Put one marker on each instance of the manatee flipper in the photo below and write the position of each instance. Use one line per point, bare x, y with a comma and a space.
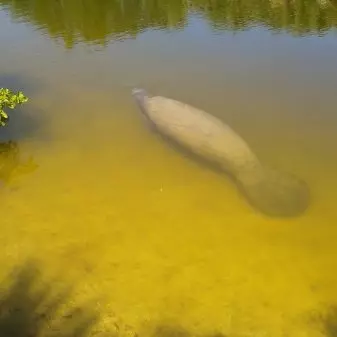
272, 192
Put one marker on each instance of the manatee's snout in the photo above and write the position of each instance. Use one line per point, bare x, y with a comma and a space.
140, 96
136, 91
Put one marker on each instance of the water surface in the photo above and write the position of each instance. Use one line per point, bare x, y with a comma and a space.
153, 237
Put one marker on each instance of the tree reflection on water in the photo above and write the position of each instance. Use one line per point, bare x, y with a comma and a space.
98, 22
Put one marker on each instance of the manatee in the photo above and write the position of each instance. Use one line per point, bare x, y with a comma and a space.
272, 192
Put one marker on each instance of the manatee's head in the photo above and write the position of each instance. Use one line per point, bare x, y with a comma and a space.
275, 193
141, 97
139, 93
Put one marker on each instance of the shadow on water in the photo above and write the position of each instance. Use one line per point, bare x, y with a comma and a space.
165, 330
328, 322
30, 308
24, 121
12, 162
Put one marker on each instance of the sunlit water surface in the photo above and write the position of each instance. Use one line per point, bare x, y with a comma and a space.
150, 235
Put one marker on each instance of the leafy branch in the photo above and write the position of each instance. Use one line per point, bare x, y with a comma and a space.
9, 100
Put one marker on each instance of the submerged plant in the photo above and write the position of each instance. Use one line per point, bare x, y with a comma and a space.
8, 99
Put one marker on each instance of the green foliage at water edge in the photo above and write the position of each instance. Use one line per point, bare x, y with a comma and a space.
10, 100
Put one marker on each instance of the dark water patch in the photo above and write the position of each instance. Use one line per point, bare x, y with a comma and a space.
326, 321
18, 82
12, 162
330, 322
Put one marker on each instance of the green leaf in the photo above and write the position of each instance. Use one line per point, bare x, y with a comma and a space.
3, 114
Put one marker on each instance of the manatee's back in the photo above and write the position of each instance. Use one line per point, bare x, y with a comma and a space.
272, 192
201, 132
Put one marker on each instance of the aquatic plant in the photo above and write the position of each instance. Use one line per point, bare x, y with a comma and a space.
9, 99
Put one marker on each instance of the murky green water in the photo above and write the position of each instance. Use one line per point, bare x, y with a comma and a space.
158, 242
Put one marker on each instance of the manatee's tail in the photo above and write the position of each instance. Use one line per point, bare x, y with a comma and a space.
275, 193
